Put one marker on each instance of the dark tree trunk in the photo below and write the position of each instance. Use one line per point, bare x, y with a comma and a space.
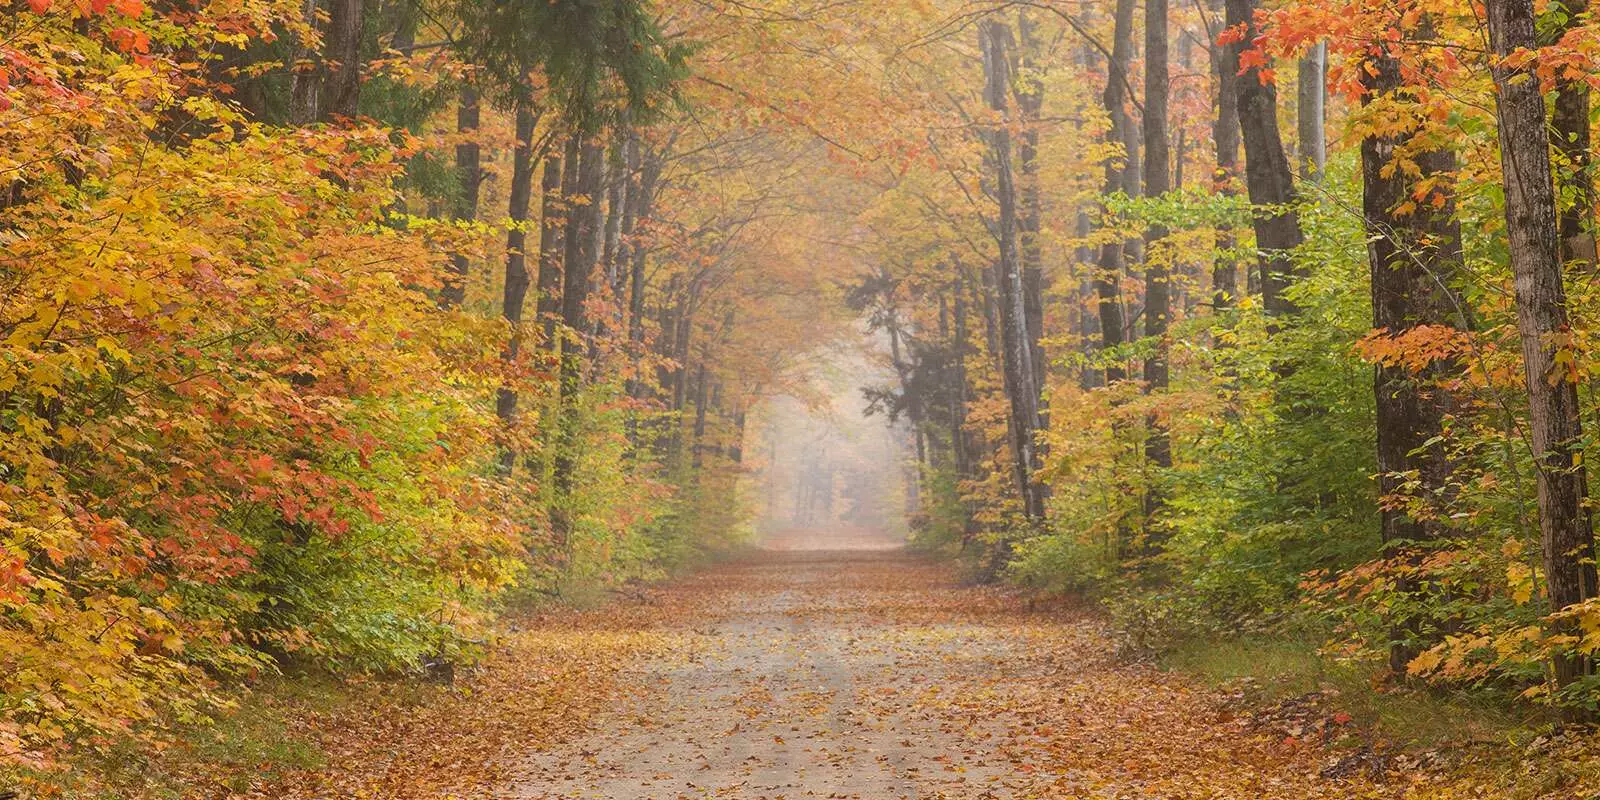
1225, 134
958, 387
560, 184
342, 93
697, 457
1570, 133
516, 283
1029, 91
1268, 177
1414, 258
469, 176
1016, 360
1535, 251
1157, 294
305, 81
1108, 275
649, 175
583, 222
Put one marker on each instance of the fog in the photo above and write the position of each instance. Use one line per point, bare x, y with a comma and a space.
826, 475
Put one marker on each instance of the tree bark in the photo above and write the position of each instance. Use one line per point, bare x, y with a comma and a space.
583, 221
1157, 294
342, 92
469, 176
617, 200
1225, 135
1311, 94
1268, 178
560, 184
1029, 92
1415, 256
1535, 254
1108, 273
1570, 133
305, 81
1016, 360
516, 281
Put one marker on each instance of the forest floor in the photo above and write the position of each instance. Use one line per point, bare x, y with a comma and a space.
857, 671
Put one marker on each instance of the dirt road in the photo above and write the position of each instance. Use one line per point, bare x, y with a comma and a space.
867, 673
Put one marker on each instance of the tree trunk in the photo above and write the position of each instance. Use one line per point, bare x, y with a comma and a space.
1029, 91
1535, 253
560, 184
583, 222
1414, 258
649, 174
697, 457
1311, 112
342, 92
1157, 295
617, 201
469, 176
1570, 133
305, 80
516, 283
1225, 134
958, 385
1016, 360
582, 228
1268, 178
1108, 275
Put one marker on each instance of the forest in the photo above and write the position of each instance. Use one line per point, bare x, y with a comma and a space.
378, 343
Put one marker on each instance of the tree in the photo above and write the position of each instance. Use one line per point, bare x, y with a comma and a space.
1415, 254
1225, 137
1157, 182
1017, 358
1108, 273
1029, 93
1311, 94
1570, 134
1268, 177
516, 281
1554, 424
469, 176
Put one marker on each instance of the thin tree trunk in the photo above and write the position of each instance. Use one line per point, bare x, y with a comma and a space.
1268, 177
1015, 356
1570, 133
1311, 112
1029, 91
697, 457
649, 174
1225, 134
560, 185
1157, 295
958, 386
1108, 273
469, 176
617, 180
1535, 254
516, 282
